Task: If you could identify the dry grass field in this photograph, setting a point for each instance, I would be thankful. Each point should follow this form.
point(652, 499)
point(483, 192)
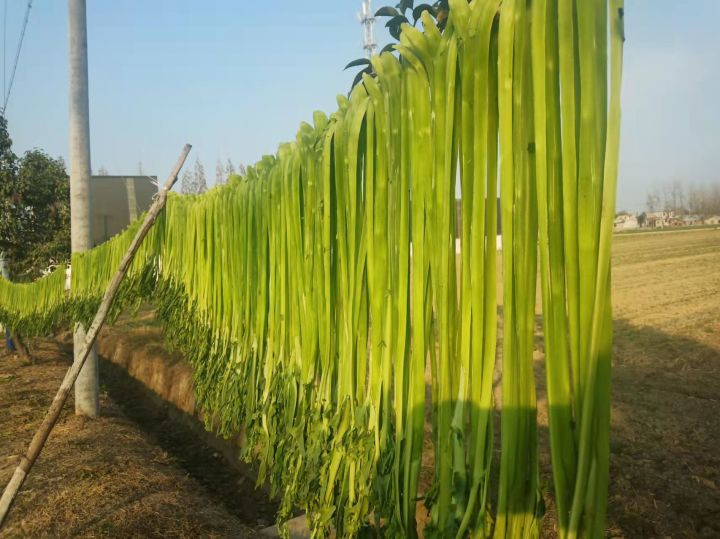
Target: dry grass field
point(665, 463)
point(115, 476)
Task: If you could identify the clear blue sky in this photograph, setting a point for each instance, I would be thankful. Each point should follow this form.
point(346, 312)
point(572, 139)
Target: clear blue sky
point(236, 78)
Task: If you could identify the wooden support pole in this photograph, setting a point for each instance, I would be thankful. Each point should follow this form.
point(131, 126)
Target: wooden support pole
point(42, 434)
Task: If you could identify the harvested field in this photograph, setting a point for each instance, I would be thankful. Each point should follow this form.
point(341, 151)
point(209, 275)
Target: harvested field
point(114, 477)
point(665, 463)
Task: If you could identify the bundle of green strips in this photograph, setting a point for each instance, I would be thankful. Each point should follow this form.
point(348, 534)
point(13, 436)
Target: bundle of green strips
point(34, 309)
point(324, 308)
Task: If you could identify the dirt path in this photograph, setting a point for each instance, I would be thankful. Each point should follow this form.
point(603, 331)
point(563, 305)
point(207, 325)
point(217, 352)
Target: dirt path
point(109, 477)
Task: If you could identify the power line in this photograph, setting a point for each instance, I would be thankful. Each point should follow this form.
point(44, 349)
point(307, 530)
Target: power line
point(4, 46)
point(17, 57)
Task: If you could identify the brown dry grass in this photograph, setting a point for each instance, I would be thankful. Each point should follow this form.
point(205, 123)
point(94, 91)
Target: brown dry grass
point(102, 478)
point(665, 463)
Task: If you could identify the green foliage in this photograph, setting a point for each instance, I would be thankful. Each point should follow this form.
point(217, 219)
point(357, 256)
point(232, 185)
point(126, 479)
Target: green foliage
point(34, 210)
point(8, 160)
point(397, 17)
point(313, 294)
point(404, 10)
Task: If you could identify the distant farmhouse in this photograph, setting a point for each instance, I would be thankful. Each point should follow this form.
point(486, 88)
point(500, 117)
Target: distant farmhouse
point(625, 221)
point(659, 219)
point(662, 219)
point(688, 220)
point(116, 201)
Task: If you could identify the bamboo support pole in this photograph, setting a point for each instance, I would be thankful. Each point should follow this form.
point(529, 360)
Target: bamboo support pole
point(42, 434)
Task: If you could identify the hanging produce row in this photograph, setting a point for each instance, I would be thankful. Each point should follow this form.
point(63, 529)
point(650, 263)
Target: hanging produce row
point(327, 313)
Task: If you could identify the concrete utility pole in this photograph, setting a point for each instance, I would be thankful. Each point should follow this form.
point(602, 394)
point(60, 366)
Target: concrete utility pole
point(3, 267)
point(87, 385)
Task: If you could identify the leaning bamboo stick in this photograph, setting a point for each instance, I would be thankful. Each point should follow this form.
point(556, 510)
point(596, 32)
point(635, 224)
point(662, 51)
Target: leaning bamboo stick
point(42, 434)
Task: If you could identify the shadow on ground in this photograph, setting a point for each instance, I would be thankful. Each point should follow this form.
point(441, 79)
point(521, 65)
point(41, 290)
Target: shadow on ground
point(181, 436)
point(665, 439)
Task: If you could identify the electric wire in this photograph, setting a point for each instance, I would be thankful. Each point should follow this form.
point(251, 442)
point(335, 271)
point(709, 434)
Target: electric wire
point(17, 57)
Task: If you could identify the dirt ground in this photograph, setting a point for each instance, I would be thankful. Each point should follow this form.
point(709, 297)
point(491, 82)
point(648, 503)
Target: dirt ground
point(131, 474)
point(665, 461)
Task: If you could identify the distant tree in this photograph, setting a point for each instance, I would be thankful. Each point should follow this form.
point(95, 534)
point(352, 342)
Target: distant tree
point(241, 170)
point(641, 218)
point(219, 173)
point(47, 209)
point(103, 171)
point(8, 172)
point(186, 183)
point(199, 182)
point(666, 197)
point(695, 199)
point(653, 201)
point(682, 198)
point(229, 168)
point(677, 196)
point(194, 183)
point(8, 160)
point(713, 197)
point(34, 210)
point(704, 199)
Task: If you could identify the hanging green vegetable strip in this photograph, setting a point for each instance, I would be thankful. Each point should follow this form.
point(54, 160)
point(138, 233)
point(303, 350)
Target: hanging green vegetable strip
point(357, 462)
point(552, 254)
point(310, 294)
point(450, 464)
point(576, 196)
point(400, 505)
point(590, 496)
point(518, 498)
point(478, 175)
point(419, 163)
point(33, 309)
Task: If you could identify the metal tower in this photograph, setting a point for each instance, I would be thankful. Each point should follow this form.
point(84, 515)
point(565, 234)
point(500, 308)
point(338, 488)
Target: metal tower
point(367, 19)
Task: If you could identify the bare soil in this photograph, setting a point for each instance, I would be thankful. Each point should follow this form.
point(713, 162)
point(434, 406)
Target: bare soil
point(134, 472)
